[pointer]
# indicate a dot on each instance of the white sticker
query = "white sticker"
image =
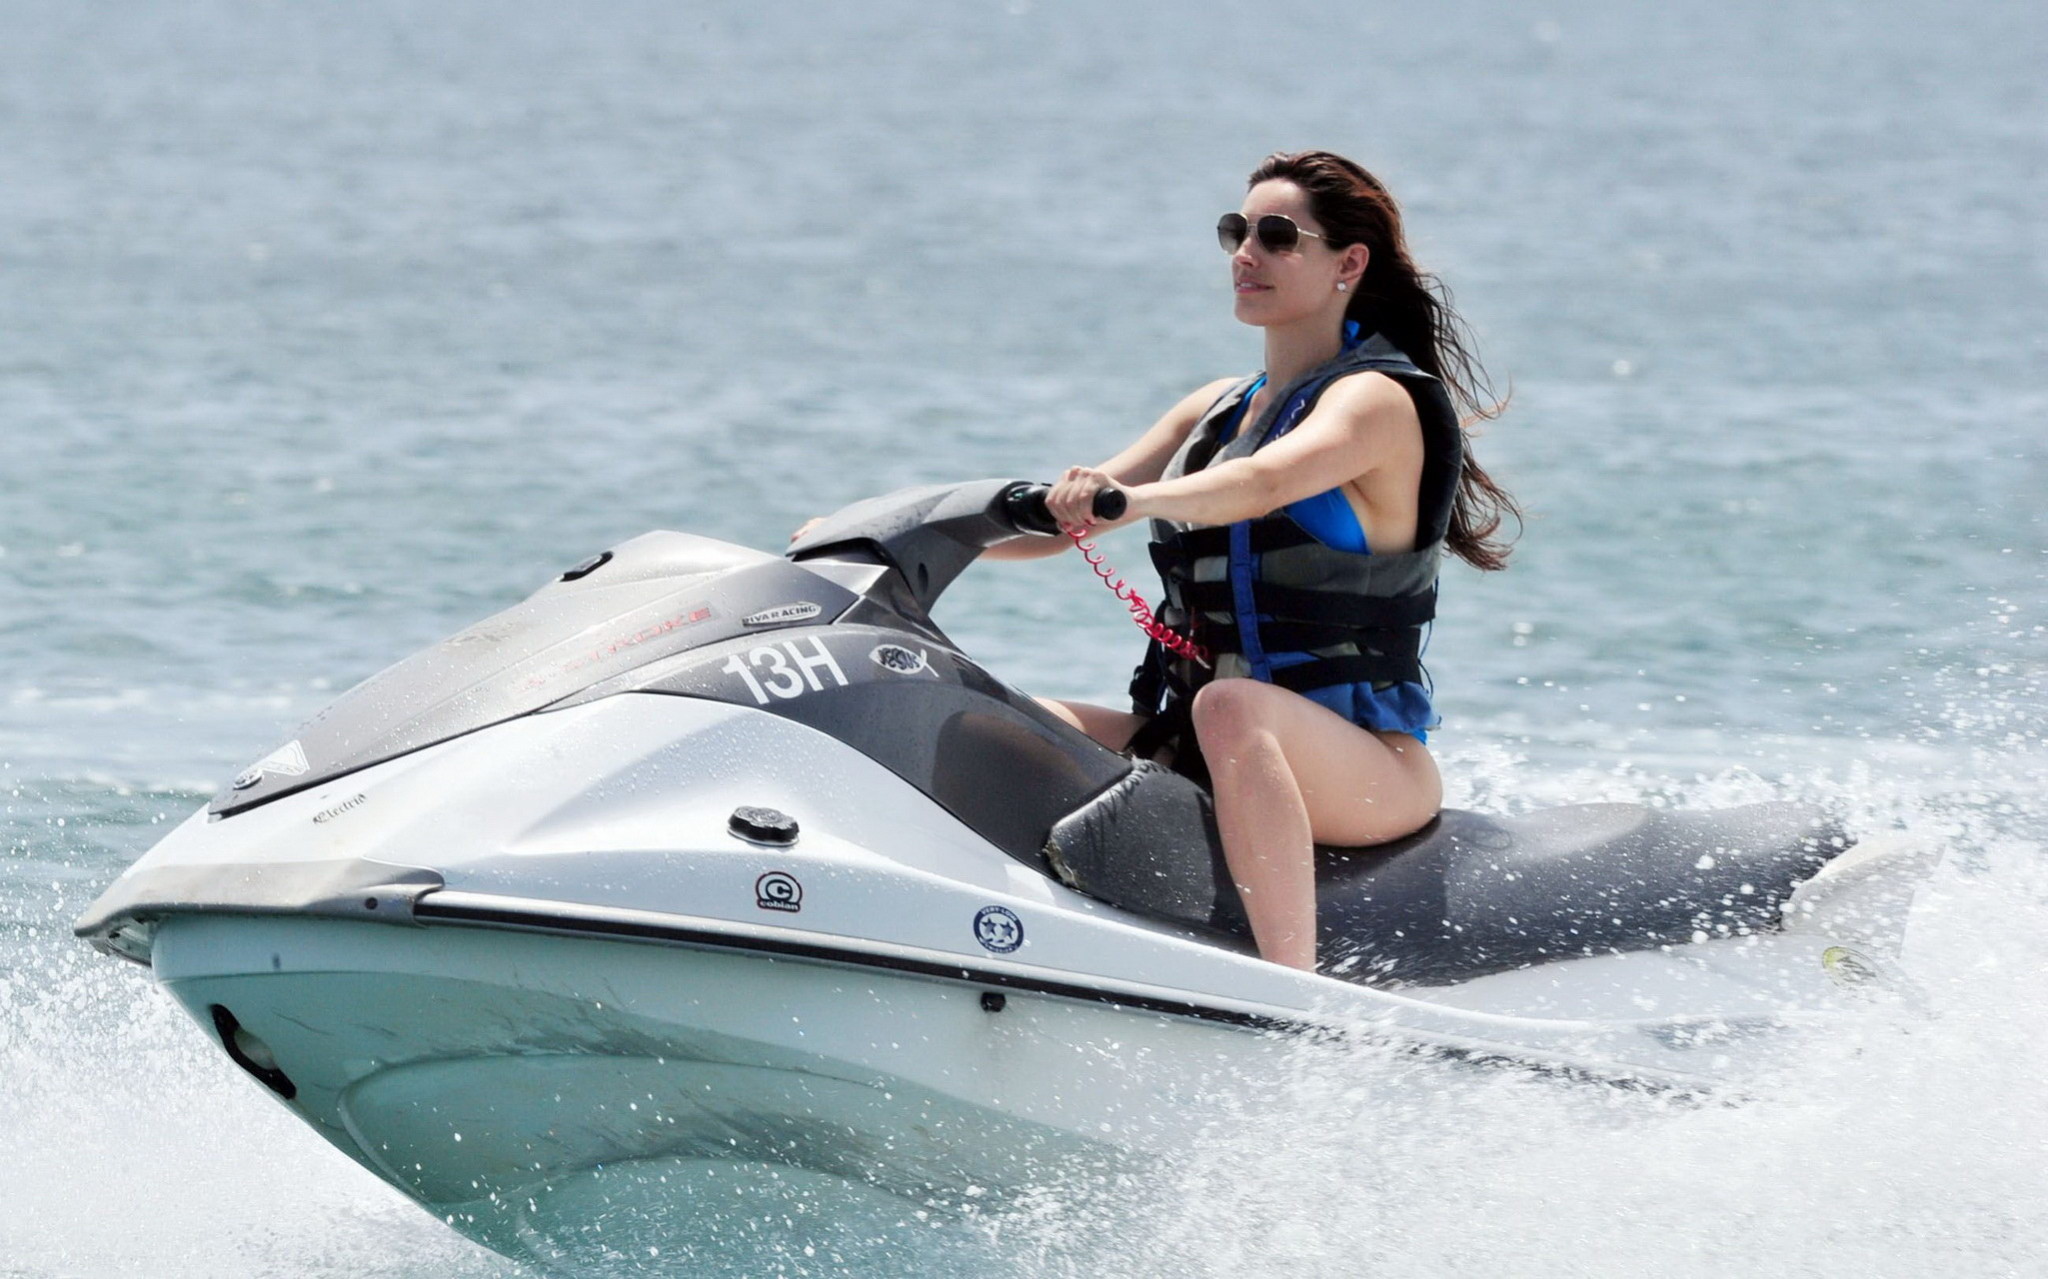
(288, 760)
(998, 929)
(801, 611)
(786, 669)
(903, 661)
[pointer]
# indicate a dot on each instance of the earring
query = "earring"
(1342, 287)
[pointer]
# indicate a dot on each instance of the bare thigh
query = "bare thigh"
(1111, 728)
(1359, 787)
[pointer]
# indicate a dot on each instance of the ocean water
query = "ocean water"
(325, 330)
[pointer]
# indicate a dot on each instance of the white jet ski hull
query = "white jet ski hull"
(705, 865)
(482, 1072)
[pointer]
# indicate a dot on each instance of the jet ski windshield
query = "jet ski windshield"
(646, 600)
(643, 600)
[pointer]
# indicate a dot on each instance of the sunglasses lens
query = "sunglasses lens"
(1231, 229)
(1278, 234)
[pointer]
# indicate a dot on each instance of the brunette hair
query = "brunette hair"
(1412, 308)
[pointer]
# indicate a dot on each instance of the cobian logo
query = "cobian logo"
(778, 891)
(288, 760)
(801, 611)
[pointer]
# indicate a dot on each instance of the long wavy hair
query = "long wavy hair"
(1412, 308)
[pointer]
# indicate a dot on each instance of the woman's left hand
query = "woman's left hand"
(1072, 500)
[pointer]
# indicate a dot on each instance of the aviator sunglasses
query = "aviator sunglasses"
(1277, 232)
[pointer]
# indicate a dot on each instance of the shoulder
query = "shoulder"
(1369, 392)
(1371, 403)
(1202, 397)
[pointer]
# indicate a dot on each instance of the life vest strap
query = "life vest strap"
(1366, 668)
(1157, 681)
(1305, 637)
(1292, 603)
(1273, 533)
(1149, 680)
(1173, 729)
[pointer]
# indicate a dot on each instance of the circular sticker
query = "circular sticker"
(998, 929)
(778, 891)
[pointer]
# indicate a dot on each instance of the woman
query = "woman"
(1299, 517)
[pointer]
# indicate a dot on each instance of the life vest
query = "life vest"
(1271, 602)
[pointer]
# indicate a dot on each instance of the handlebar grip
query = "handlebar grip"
(1024, 505)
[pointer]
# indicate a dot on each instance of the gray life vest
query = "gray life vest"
(1269, 600)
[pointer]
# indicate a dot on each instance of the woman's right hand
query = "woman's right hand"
(1072, 499)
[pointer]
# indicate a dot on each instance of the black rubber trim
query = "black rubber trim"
(427, 909)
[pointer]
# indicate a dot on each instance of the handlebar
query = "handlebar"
(1025, 506)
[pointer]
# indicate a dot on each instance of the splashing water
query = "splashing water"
(1904, 1137)
(333, 334)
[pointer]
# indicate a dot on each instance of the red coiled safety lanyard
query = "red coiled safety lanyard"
(1141, 612)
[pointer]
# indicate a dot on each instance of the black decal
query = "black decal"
(904, 661)
(800, 611)
(778, 891)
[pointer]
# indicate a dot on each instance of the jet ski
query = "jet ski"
(703, 862)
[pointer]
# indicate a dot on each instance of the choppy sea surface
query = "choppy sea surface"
(326, 330)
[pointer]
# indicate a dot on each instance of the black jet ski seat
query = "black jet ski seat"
(1468, 894)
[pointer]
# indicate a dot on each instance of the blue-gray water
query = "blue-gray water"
(326, 329)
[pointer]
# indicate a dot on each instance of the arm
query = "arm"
(1359, 425)
(1141, 463)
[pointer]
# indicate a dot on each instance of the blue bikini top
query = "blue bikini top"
(1328, 516)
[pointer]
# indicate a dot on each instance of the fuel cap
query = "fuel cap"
(763, 826)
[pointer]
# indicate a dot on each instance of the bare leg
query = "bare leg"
(1287, 773)
(1111, 728)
